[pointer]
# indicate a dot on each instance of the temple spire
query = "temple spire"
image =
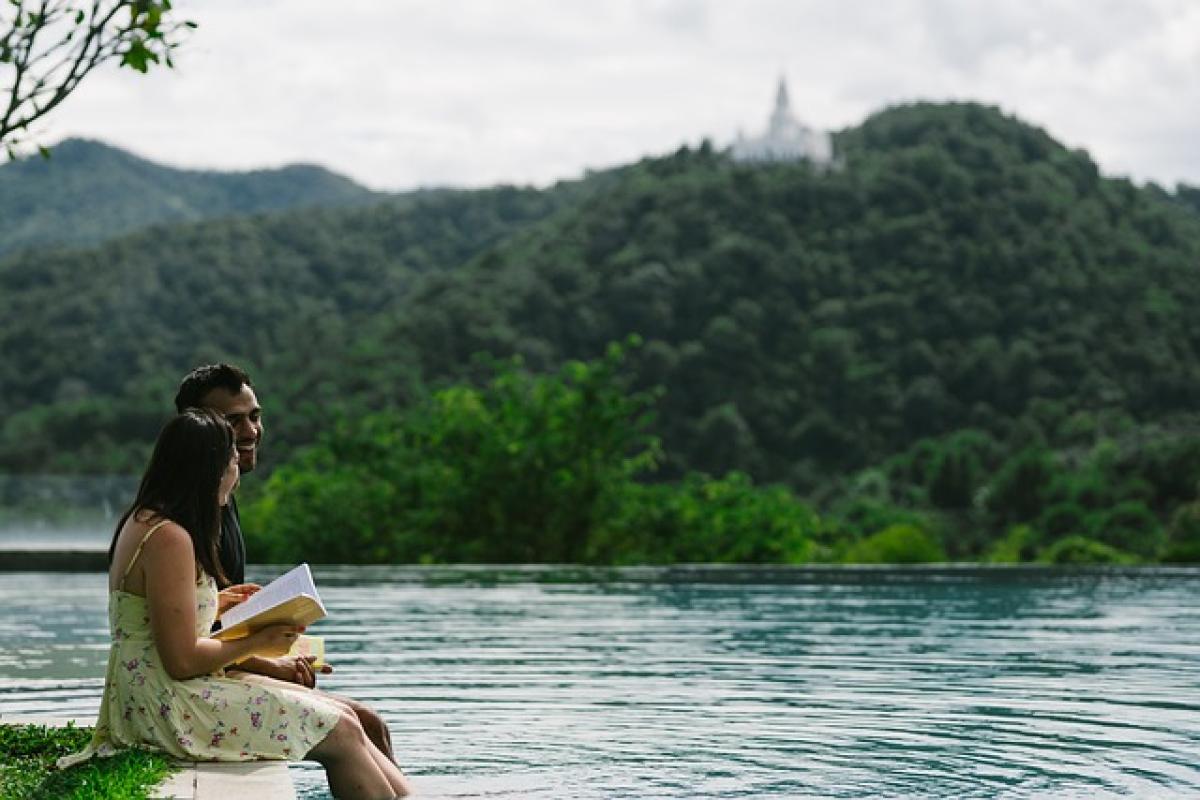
(781, 117)
(782, 104)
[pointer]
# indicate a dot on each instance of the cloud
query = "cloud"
(475, 92)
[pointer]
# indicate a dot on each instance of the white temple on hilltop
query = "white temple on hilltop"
(786, 138)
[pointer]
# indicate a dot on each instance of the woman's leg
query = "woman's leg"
(373, 724)
(352, 763)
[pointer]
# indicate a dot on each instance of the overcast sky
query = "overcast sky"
(398, 94)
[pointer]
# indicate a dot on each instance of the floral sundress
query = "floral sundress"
(208, 718)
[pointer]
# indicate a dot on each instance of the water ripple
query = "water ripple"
(640, 683)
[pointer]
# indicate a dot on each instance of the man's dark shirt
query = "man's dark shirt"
(233, 546)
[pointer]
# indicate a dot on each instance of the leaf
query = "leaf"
(136, 57)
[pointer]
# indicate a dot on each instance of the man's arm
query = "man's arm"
(293, 669)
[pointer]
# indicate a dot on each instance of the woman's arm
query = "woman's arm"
(170, 568)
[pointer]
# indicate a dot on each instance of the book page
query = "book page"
(294, 583)
(306, 645)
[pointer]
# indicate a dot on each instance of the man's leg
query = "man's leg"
(372, 725)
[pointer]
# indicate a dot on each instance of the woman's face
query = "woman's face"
(229, 479)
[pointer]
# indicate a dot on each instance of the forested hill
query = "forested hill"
(87, 192)
(95, 340)
(959, 270)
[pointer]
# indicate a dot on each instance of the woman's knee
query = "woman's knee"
(343, 707)
(347, 734)
(350, 726)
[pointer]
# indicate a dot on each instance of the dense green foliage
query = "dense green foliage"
(528, 468)
(553, 468)
(87, 192)
(961, 270)
(1126, 499)
(28, 753)
(963, 340)
(95, 341)
(701, 519)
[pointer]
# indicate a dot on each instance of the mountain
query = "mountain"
(94, 339)
(960, 270)
(87, 192)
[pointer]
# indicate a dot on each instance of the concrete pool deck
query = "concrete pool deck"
(262, 780)
(58, 560)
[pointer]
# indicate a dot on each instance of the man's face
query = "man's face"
(242, 411)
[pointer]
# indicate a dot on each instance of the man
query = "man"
(227, 390)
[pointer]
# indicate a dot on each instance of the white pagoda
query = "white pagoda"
(786, 138)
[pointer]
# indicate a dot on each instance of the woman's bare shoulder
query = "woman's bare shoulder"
(169, 536)
(161, 541)
(170, 551)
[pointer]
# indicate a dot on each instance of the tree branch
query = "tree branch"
(44, 74)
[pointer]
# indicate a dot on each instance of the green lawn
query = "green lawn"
(28, 752)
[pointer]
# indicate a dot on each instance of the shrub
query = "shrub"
(1019, 545)
(1082, 550)
(1062, 519)
(706, 520)
(525, 469)
(1183, 536)
(1128, 526)
(897, 544)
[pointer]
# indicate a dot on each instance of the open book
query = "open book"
(290, 599)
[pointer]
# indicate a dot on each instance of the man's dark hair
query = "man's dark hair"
(196, 385)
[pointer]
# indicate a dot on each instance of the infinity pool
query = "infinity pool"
(544, 683)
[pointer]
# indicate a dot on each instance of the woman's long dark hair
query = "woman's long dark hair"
(183, 480)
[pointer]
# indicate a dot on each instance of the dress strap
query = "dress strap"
(138, 552)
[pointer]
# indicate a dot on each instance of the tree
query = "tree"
(47, 47)
(521, 470)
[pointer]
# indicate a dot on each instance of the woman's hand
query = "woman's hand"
(230, 596)
(275, 640)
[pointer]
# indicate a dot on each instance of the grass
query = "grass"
(28, 752)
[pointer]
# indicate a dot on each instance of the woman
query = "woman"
(165, 687)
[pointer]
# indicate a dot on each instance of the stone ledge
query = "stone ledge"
(262, 780)
(53, 561)
(200, 780)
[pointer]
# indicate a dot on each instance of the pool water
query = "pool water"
(545, 683)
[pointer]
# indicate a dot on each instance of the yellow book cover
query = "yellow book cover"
(290, 599)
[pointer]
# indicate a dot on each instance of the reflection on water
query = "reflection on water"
(670, 683)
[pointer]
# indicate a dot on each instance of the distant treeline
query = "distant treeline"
(552, 468)
(902, 341)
